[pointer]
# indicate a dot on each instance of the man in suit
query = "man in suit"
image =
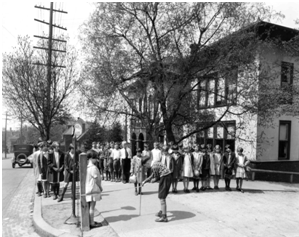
(229, 159)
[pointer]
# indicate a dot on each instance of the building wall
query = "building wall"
(268, 134)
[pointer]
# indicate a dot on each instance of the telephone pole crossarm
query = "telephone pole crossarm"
(43, 37)
(54, 10)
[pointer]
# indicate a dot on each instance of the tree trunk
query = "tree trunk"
(167, 123)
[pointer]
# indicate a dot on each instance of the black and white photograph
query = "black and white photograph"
(152, 119)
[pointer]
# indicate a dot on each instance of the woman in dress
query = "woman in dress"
(177, 167)
(56, 165)
(241, 163)
(196, 167)
(217, 160)
(188, 161)
(42, 163)
(138, 169)
(93, 187)
(162, 174)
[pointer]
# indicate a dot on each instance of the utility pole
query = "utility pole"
(5, 136)
(50, 50)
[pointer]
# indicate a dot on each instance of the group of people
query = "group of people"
(114, 162)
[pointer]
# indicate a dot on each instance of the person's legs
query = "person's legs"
(91, 212)
(184, 183)
(162, 214)
(237, 183)
(44, 188)
(194, 185)
(187, 184)
(135, 185)
(240, 187)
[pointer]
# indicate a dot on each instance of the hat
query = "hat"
(49, 142)
(55, 144)
(40, 144)
(227, 147)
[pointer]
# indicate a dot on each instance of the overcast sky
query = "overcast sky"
(17, 18)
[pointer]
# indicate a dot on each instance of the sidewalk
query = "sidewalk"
(265, 209)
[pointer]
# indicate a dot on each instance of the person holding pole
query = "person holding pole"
(38, 150)
(162, 174)
(93, 187)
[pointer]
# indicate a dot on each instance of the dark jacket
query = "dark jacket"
(71, 164)
(228, 167)
(53, 175)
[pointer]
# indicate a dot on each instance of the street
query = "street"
(17, 191)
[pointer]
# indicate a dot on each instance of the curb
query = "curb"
(40, 226)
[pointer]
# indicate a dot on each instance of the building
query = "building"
(271, 141)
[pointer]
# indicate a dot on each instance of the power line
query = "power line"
(8, 31)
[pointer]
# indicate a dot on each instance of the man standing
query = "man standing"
(115, 154)
(146, 153)
(125, 160)
(156, 154)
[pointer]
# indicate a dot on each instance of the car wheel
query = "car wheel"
(13, 165)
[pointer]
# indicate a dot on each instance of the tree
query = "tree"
(96, 133)
(28, 92)
(173, 47)
(115, 133)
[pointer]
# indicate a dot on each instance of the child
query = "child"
(187, 168)
(137, 168)
(212, 166)
(93, 187)
(217, 159)
(205, 170)
(106, 163)
(197, 167)
(228, 161)
(241, 163)
(177, 167)
(162, 174)
(146, 153)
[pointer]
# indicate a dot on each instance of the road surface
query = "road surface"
(17, 194)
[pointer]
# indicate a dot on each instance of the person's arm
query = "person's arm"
(148, 179)
(144, 160)
(171, 164)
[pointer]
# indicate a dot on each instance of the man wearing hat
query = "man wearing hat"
(229, 159)
(125, 161)
(56, 165)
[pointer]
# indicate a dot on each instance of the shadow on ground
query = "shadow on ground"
(180, 215)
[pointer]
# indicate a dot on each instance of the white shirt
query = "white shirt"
(123, 153)
(115, 154)
(56, 155)
(156, 156)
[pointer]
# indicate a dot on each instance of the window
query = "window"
(211, 92)
(202, 94)
(286, 82)
(231, 86)
(284, 140)
(220, 91)
(230, 130)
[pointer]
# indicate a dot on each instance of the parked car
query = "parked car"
(22, 155)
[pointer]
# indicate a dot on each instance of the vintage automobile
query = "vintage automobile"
(22, 155)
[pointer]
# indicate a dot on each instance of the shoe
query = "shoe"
(204, 189)
(209, 188)
(201, 188)
(229, 189)
(159, 214)
(162, 219)
(187, 191)
(39, 194)
(45, 196)
(241, 190)
(55, 197)
(193, 189)
(96, 225)
(197, 190)
(216, 187)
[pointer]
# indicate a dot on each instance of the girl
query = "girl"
(217, 159)
(93, 187)
(241, 163)
(205, 170)
(56, 164)
(70, 165)
(42, 163)
(196, 167)
(137, 168)
(177, 167)
(162, 174)
(187, 168)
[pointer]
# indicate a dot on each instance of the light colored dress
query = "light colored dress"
(217, 163)
(212, 163)
(93, 174)
(197, 162)
(138, 169)
(187, 165)
(240, 171)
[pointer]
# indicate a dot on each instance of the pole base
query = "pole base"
(72, 220)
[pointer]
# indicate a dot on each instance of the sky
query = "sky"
(17, 18)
